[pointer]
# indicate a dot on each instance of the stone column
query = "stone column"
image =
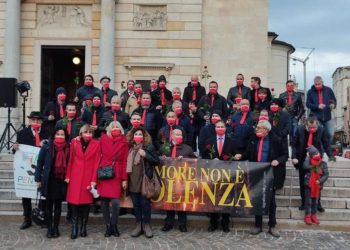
(107, 43)
(12, 38)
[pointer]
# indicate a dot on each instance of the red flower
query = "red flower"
(208, 146)
(331, 101)
(225, 157)
(272, 89)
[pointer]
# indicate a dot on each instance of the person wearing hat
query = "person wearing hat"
(237, 93)
(87, 89)
(316, 175)
(212, 101)
(32, 135)
(55, 109)
(294, 105)
(92, 115)
(310, 133)
(280, 120)
(106, 92)
(161, 96)
(265, 146)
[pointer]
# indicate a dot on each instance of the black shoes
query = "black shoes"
(256, 231)
(183, 228)
(212, 228)
(167, 228)
(273, 232)
(55, 232)
(225, 228)
(320, 208)
(115, 231)
(26, 224)
(108, 231)
(302, 208)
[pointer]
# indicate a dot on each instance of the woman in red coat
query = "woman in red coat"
(114, 151)
(81, 176)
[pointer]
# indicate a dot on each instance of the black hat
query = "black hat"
(87, 97)
(278, 101)
(96, 94)
(35, 114)
(161, 78)
(105, 77)
(216, 111)
(61, 90)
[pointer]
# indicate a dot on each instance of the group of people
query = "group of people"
(133, 131)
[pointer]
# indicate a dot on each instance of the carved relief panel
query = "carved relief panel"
(150, 17)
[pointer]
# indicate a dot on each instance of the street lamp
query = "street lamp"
(303, 61)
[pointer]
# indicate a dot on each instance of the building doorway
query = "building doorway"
(61, 66)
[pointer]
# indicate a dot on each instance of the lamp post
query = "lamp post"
(304, 61)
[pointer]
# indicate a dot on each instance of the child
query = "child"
(316, 174)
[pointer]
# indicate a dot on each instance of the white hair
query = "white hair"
(115, 98)
(265, 124)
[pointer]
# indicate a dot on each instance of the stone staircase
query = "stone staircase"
(335, 194)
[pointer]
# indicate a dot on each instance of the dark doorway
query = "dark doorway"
(145, 85)
(58, 69)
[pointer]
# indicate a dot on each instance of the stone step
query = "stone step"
(8, 194)
(329, 215)
(331, 182)
(333, 172)
(6, 165)
(327, 202)
(331, 164)
(338, 192)
(6, 157)
(6, 174)
(7, 184)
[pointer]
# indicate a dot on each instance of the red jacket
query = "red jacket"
(82, 170)
(113, 148)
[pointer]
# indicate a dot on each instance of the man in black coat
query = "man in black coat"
(87, 89)
(33, 135)
(280, 120)
(115, 114)
(255, 83)
(237, 93)
(265, 146)
(106, 92)
(306, 135)
(151, 118)
(193, 91)
(162, 96)
(71, 122)
(210, 102)
(294, 105)
(55, 110)
(93, 115)
(219, 146)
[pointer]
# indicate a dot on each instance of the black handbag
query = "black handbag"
(38, 214)
(106, 172)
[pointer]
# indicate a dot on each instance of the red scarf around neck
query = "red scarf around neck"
(62, 152)
(94, 119)
(61, 110)
(320, 96)
(314, 186)
(243, 118)
(261, 143)
(143, 119)
(194, 93)
(173, 152)
(290, 98)
(37, 137)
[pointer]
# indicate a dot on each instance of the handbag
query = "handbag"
(106, 172)
(38, 214)
(150, 186)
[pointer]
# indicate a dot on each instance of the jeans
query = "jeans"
(170, 218)
(293, 126)
(329, 127)
(112, 220)
(310, 203)
(272, 213)
(142, 208)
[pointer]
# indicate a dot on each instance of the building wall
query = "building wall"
(341, 82)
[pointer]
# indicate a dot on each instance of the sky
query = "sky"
(320, 24)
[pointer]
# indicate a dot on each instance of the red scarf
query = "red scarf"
(177, 121)
(115, 116)
(315, 187)
(194, 93)
(212, 100)
(62, 153)
(320, 96)
(170, 131)
(143, 119)
(244, 116)
(256, 96)
(162, 97)
(37, 137)
(220, 146)
(104, 97)
(239, 91)
(290, 98)
(94, 119)
(261, 143)
(173, 152)
(310, 139)
(138, 100)
(69, 127)
(61, 110)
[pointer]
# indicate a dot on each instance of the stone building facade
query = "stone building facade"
(142, 39)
